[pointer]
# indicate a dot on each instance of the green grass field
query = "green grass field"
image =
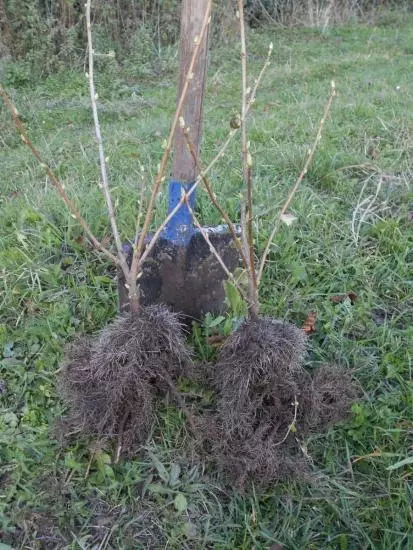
(354, 232)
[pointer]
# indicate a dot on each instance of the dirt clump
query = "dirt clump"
(110, 381)
(267, 401)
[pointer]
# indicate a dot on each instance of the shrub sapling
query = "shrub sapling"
(111, 380)
(266, 399)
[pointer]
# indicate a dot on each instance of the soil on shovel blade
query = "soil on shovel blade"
(189, 279)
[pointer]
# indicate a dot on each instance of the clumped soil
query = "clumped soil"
(110, 381)
(267, 402)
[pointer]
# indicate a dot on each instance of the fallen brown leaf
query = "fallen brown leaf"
(338, 298)
(353, 296)
(309, 324)
(216, 340)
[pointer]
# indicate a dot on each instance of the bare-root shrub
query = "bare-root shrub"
(266, 401)
(110, 382)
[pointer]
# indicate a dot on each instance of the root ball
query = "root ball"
(268, 402)
(257, 372)
(110, 381)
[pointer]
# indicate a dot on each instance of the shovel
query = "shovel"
(181, 271)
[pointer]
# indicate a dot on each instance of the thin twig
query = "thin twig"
(300, 178)
(102, 161)
(244, 143)
(246, 202)
(138, 245)
(214, 251)
(53, 178)
(213, 197)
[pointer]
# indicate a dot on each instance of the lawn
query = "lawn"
(353, 233)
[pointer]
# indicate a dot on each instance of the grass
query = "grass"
(353, 233)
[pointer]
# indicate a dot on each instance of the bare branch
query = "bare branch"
(252, 275)
(141, 202)
(300, 178)
(244, 143)
(246, 202)
(102, 161)
(214, 199)
(244, 87)
(53, 178)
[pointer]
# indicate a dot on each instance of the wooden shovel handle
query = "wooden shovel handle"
(193, 11)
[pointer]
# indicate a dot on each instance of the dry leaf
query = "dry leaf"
(352, 296)
(216, 340)
(338, 298)
(309, 324)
